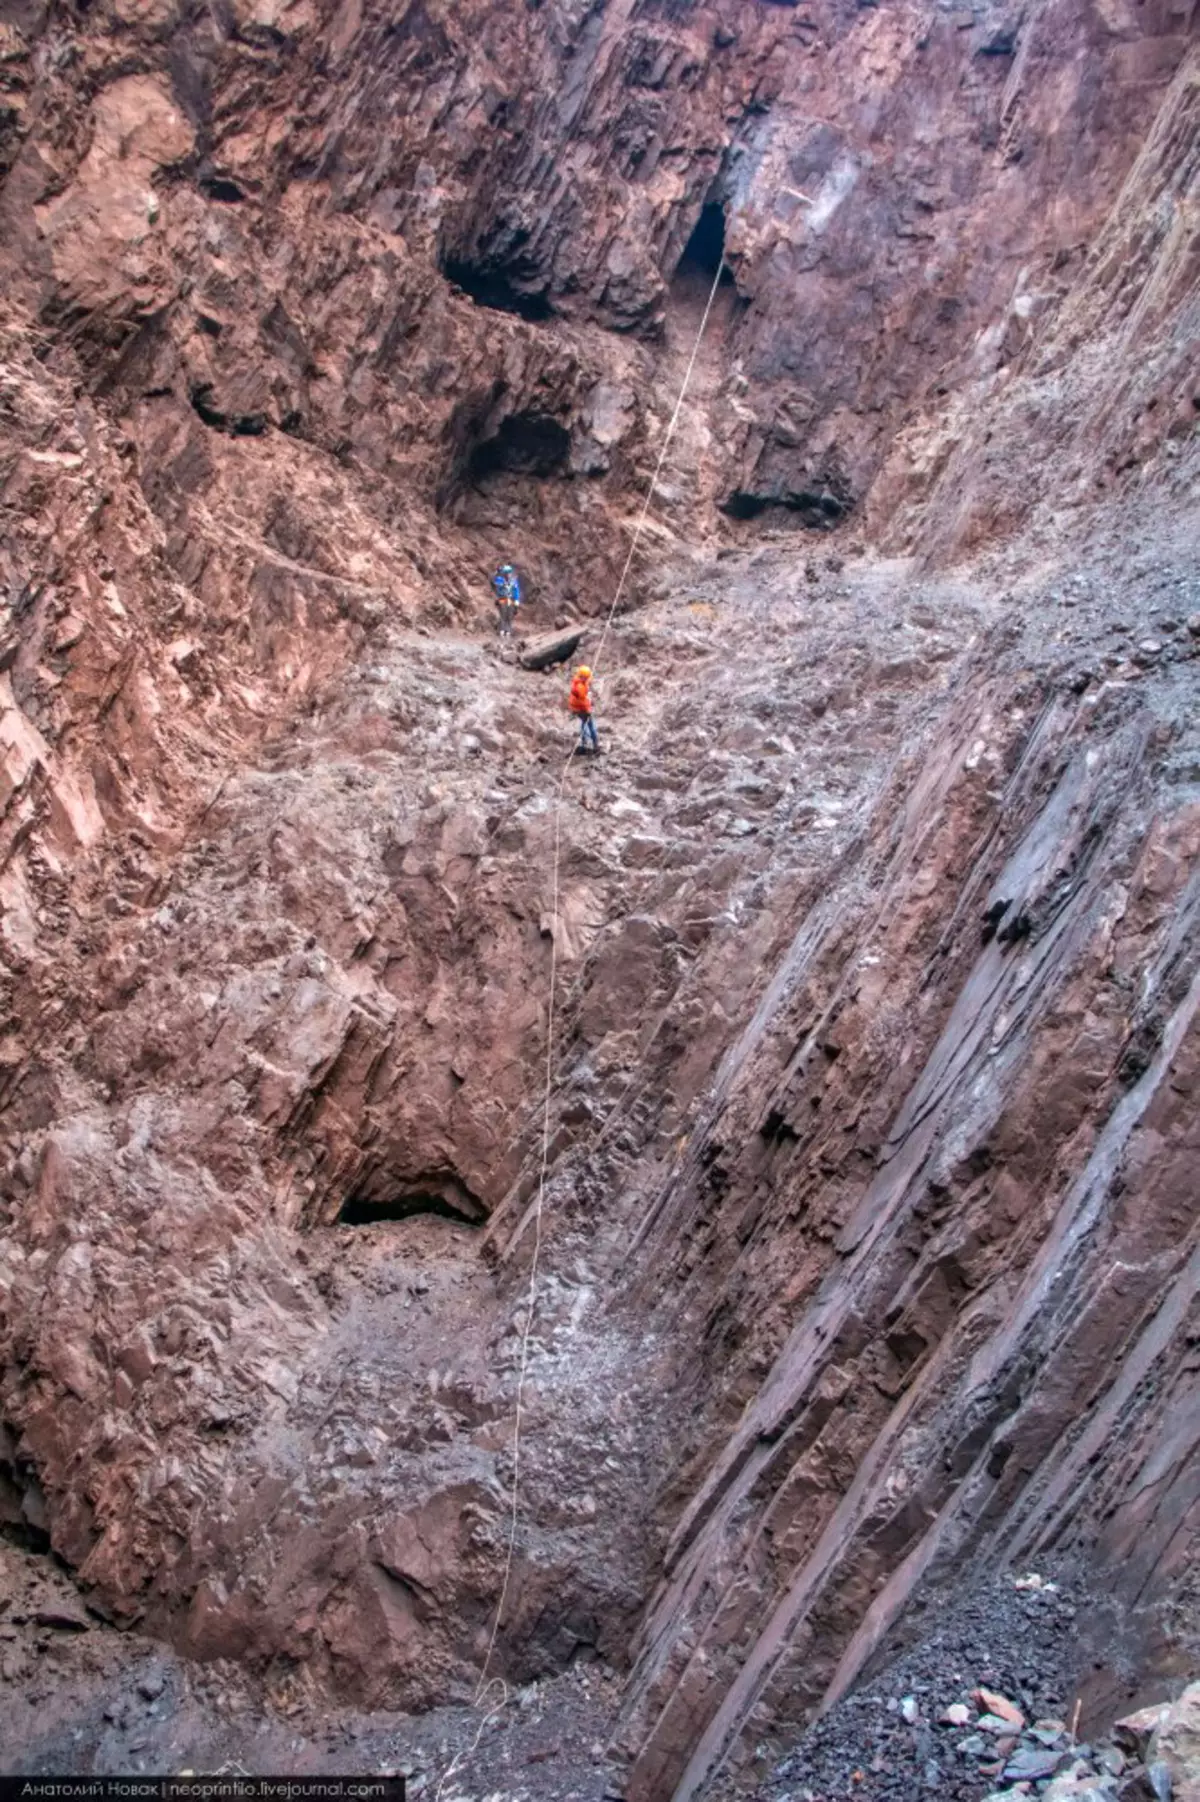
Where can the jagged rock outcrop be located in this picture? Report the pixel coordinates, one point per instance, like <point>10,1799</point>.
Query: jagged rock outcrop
<point>868,1243</point>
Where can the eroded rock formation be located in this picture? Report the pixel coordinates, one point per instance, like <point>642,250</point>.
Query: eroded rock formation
<point>869,1240</point>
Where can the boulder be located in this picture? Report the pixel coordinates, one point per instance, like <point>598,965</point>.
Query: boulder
<point>1177,1745</point>
<point>1134,1733</point>
<point>1032,1762</point>
<point>549,648</point>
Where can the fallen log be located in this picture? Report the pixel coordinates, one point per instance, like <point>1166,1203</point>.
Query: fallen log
<point>549,648</point>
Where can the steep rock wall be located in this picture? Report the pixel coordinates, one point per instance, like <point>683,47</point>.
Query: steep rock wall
<point>937,1222</point>
<point>255,215</point>
<point>1095,370</point>
<point>309,312</point>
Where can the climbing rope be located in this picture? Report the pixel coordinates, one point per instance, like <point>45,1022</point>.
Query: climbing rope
<point>531,1302</point>
<point>662,457</point>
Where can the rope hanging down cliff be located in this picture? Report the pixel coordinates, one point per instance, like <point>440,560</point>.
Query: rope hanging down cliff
<point>531,1301</point>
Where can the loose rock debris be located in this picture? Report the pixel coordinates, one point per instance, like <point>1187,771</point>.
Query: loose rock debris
<point>980,1707</point>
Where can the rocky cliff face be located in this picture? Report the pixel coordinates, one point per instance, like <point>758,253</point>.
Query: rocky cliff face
<point>870,1238</point>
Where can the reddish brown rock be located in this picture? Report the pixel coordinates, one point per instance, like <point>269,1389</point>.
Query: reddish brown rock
<point>1000,1706</point>
<point>867,1244</point>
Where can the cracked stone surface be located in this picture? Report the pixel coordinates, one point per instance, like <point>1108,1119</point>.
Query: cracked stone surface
<point>868,1258</point>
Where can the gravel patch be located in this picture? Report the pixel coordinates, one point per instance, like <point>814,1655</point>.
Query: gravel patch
<point>892,1739</point>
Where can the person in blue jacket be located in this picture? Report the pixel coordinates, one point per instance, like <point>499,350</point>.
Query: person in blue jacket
<point>508,597</point>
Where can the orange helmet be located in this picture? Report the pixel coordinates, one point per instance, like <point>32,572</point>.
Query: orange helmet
<point>583,670</point>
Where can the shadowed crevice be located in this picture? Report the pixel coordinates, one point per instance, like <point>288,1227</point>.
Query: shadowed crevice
<point>381,1196</point>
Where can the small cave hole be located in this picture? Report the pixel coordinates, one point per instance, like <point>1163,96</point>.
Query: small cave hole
<point>503,290</point>
<point>777,1128</point>
<point>241,425</point>
<point>741,505</point>
<point>23,1519</point>
<point>202,403</point>
<point>906,1347</point>
<point>704,252</point>
<point>441,1193</point>
<point>998,1457</point>
<point>819,509</point>
<point>219,187</point>
<point>530,444</point>
<point>360,1210</point>
<point>24,1537</point>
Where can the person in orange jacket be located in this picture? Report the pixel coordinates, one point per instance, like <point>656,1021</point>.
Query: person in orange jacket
<point>580,702</point>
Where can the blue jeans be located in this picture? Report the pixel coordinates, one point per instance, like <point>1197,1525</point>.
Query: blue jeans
<point>587,732</point>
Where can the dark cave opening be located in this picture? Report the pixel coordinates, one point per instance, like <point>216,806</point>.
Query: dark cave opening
<point>25,1537</point>
<point>361,1210</point>
<point>495,287</point>
<point>530,444</point>
<point>219,187</point>
<point>212,416</point>
<point>819,509</point>
<point>740,505</point>
<point>240,425</point>
<point>704,252</point>
<point>777,1128</point>
<point>380,1197</point>
<point>23,1519</point>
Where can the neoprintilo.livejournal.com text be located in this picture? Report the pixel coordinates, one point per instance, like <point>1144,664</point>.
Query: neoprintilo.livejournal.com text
<point>202,1789</point>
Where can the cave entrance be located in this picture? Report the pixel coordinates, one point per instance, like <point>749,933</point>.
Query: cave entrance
<point>379,1198</point>
<point>687,297</point>
<point>23,1518</point>
<point>361,1210</point>
<point>527,444</point>
<point>818,508</point>
<point>491,285</point>
<point>219,187</point>
<point>704,252</point>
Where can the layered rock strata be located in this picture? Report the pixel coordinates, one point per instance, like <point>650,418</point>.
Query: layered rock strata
<point>868,1236</point>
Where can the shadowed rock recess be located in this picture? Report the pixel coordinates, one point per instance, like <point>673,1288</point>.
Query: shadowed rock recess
<point>870,1250</point>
